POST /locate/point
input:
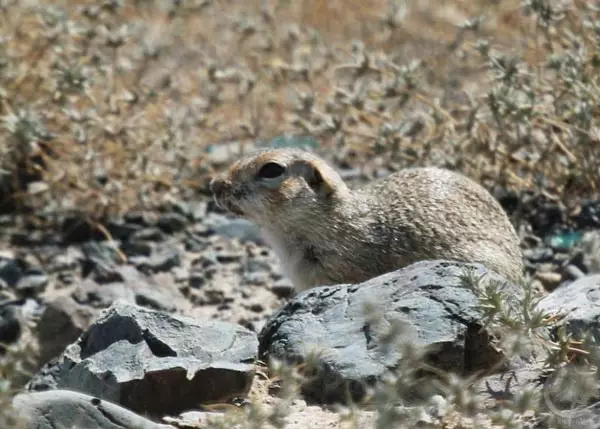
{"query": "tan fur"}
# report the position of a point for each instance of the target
(324, 233)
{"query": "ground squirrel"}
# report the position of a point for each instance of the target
(325, 233)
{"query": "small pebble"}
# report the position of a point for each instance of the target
(549, 279)
(197, 280)
(539, 254)
(227, 257)
(283, 288)
(257, 278)
(10, 328)
(207, 260)
(162, 261)
(122, 230)
(172, 222)
(573, 272)
(10, 271)
(136, 248)
(32, 283)
(148, 234)
(196, 244)
(257, 307)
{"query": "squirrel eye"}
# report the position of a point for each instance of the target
(271, 170)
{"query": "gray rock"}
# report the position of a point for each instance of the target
(10, 271)
(33, 282)
(590, 244)
(61, 323)
(120, 230)
(283, 288)
(135, 287)
(579, 302)
(198, 210)
(241, 229)
(62, 409)
(172, 222)
(196, 244)
(155, 363)
(139, 218)
(134, 248)
(438, 313)
(10, 326)
(197, 280)
(148, 234)
(165, 260)
(99, 296)
(101, 260)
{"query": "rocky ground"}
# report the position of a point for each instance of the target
(196, 292)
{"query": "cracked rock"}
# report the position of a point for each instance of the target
(427, 298)
(155, 363)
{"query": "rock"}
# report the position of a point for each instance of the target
(32, 283)
(98, 296)
(101, 260)
(256, 279)
(538, 254)
(241, 229)
(133, 248)
(549, 279)
(66, 261)
(590, 244)
(10, 271)
(155, 363)
(120, 230)
(440, 314)
(138, 218)
(135, 287)
(10, 327)
(283, 288)
(198, 210)
(154, 299)
(165, 260)
(148, 234)
(573, 272)
(76, 229)
(61, 323)
(67, 409)
(172, 222)
(197, 280)
(195, 243)
(578, 302)
(229, 256)
(589, 216)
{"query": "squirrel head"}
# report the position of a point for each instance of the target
(277, 183)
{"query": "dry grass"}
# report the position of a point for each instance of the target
(111, 106)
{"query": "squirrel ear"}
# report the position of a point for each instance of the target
(312, 174)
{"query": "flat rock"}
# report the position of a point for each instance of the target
(155, 363)
(427, 298)
(68, 409)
